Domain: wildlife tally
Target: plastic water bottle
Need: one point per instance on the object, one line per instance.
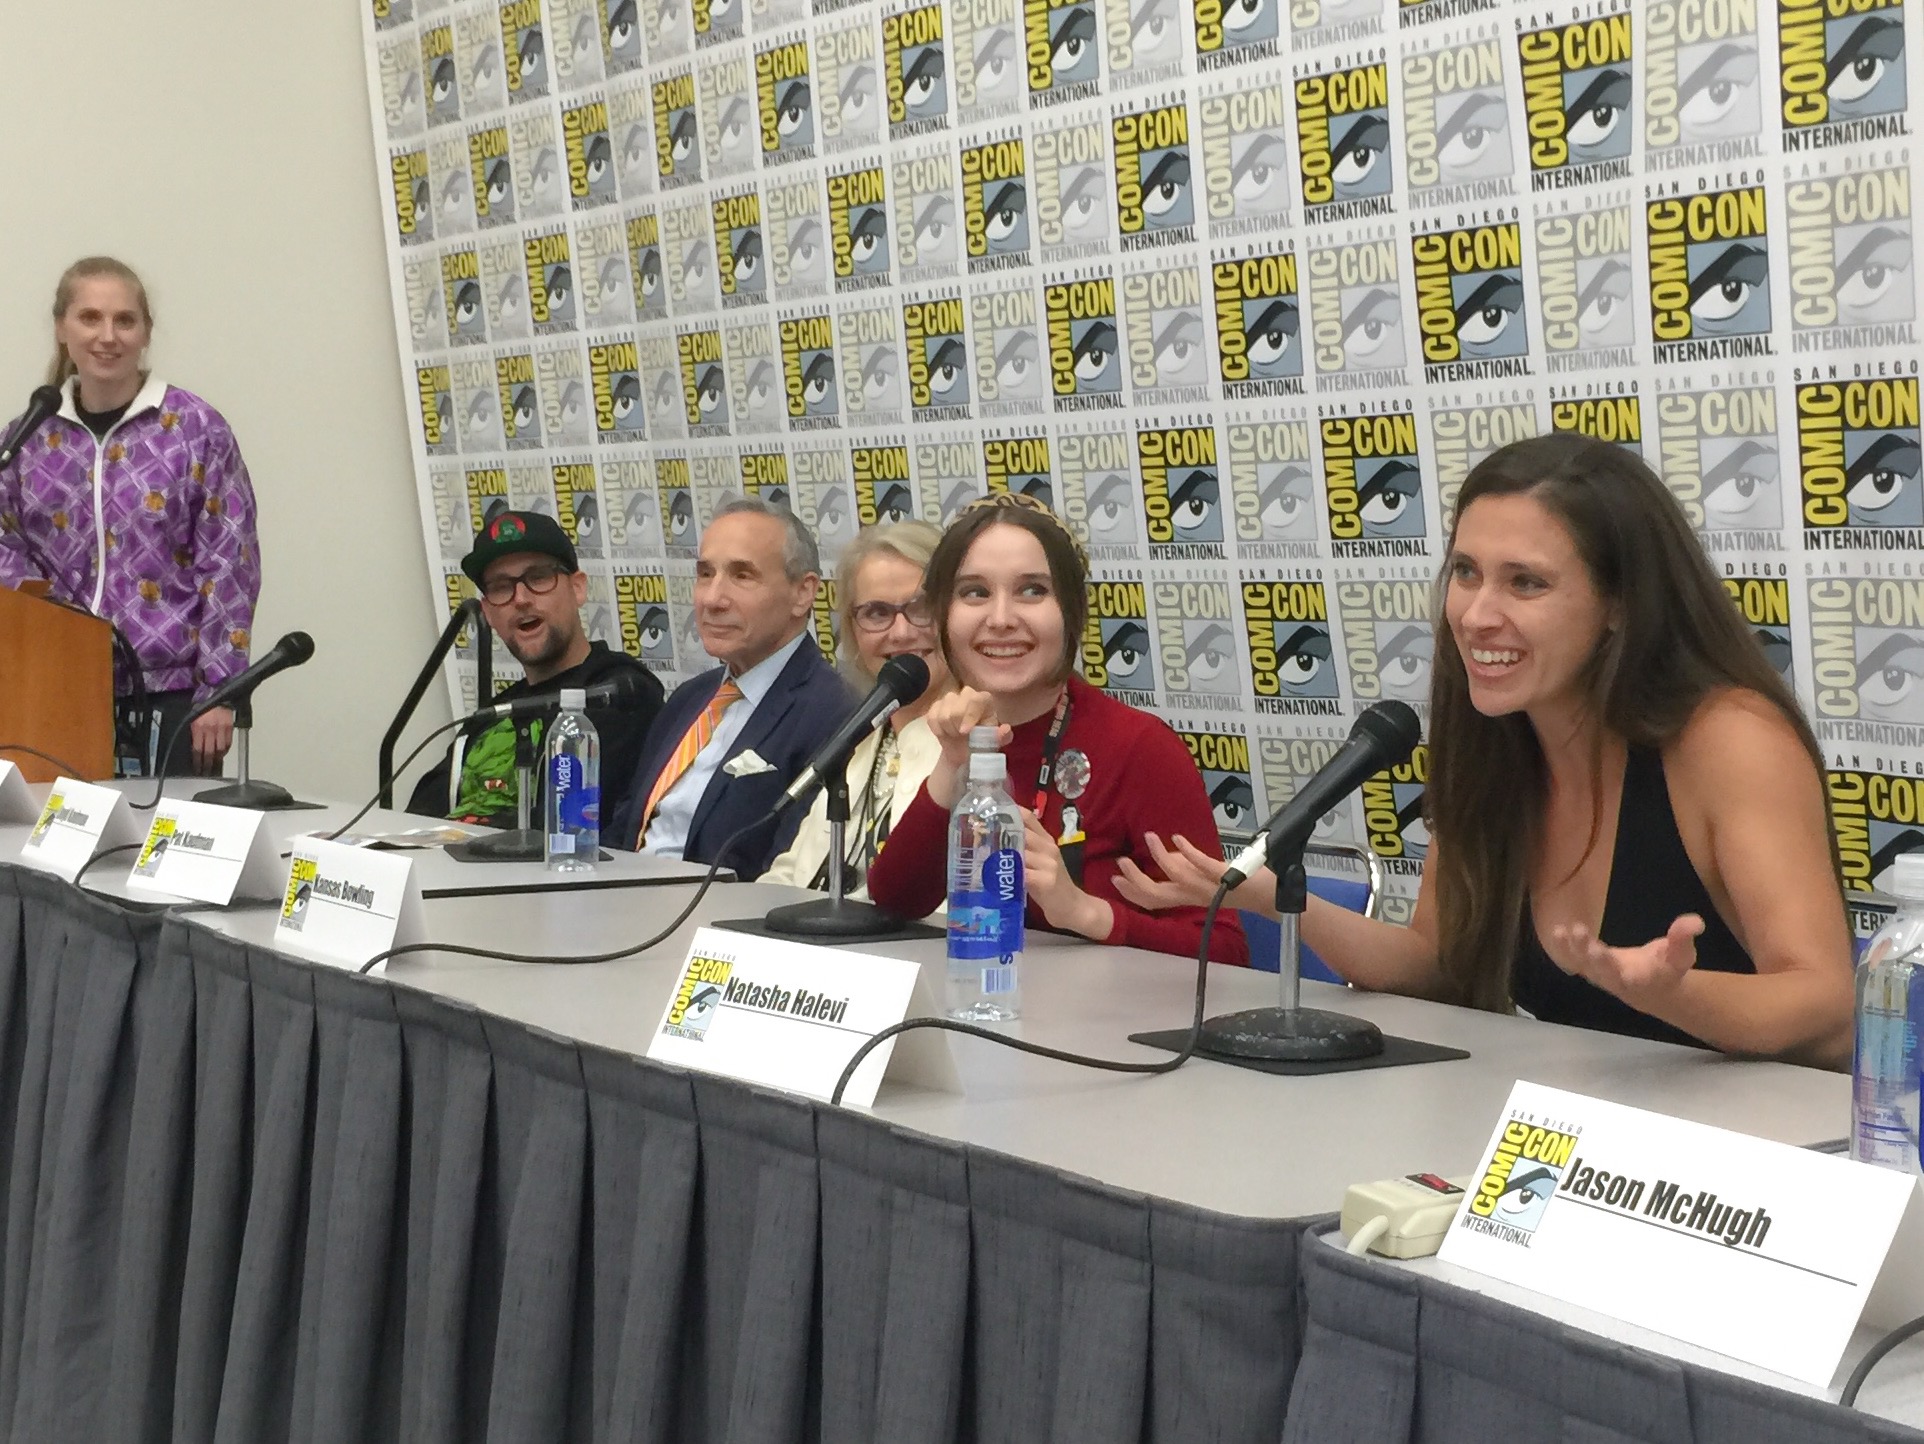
(1890, 1005)
(574, 787)
(986, 892)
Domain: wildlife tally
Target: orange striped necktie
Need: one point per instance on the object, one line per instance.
(700, 732)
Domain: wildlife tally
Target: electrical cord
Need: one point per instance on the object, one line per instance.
(557, 959)
(405, 762)
(1368, 1234)
(67, 769)
(1111, 1065)
(1876, 1356)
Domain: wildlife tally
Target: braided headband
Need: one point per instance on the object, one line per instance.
(1017, 501)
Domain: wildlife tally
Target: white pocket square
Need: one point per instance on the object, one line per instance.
(747, 764)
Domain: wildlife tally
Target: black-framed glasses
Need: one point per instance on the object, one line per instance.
(538, 580)
(880, 616)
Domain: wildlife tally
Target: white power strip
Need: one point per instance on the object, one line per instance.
(1401, 1217)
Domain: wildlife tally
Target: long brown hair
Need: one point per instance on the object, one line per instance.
(87, 269)
(1068, 569)
(1677, 638)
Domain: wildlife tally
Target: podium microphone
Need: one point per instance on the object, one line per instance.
(238, 692)
(44, 402)
(619, 691)
(902, 679)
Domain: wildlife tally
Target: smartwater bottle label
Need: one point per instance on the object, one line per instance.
(985, 924)
(577, 806)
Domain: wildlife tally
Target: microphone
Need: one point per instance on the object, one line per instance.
(290, 651)
(620, 691)
(44, 402)
(1383, 736)
(902, 679)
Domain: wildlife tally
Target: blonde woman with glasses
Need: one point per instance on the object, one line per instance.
(878, 590)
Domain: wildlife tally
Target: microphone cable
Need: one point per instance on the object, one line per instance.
(67, 768)
(1061, 1055)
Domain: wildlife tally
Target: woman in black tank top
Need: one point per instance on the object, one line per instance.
(1627, 814)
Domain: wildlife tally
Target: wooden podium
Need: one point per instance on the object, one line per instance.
(56, 686)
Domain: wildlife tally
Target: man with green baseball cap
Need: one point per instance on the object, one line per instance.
(532, 591)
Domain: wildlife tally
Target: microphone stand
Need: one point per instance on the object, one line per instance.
(246, 791)
(1290, 1033)
(468, 613)
(837, 916)
(524, 844)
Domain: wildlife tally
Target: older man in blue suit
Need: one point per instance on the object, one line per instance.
(728, 742)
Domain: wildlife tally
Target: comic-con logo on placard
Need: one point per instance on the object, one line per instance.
(1271, 486)
(1196, 646)
(1063, 50)
(1181, 492)
(704, 382)
(1085, 367)
(301, 877)
(1612, 412)
(1388, 635)
(1877, 818)
(1292, 661)
(883, 491)
(1857, 458)
(614, 375)
(935, 335)
(704, 982)
(1456, 125)
(435, 388)
(1223, 760)
(1703, 91)
(1764, 603)
(858, 229)
(1577, 84)
(1393, 814)
(915, 69)
(1373, 486)
(1470, 303)
(1842, 72)
(1584, 284)
(812, 398)
(1852, 283)
(784, 101)
(1343, 142)
(1019, 466)
(740, 253)
(1117, 654)
(1235, 32)
(1245, 159)
(1155, 203)
(1509, 1200)
(590, 154)
(153, 852)
(1710, 275)
(641, 603)
(1356, 309)
(677, 131)
(1166, 330)
(995, 204)
(1722, 462)
(1259, 345)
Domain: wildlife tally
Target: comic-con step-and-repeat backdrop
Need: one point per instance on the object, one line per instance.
(1242, 287)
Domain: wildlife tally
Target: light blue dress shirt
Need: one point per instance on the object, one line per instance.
(675, 817)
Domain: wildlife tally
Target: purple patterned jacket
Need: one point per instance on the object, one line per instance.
(177, 567)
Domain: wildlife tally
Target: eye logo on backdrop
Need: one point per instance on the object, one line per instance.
(440, 72)
(1019, 466)
(1085, 367)
(1070, 165)
(590, 154)
(1617, 419)
(724, 91)
(1167, 334)
(1291, 662)
(1245, 158)
(525, 49)
(925, 230)
(1584, 283)
(1851, 278)
(1154, 204)
(677, 132)
(883, 492)
(1764, 602)
(520, 401)
(1576, 101)
(680, 531)
(1181, 492)
(1008, 352)
(1842, 75)
(858, 229)
(1721, 462)
(487, 495)
(1387, 633)
(1271, 488)
(614, 374)
(643, 239)
(1343, 140)
(1063, 50)
(1196, 646)
(1858, 453)
(934, 332)
(1098, 488)
(641, 604)
(1258, 325)
(1393, 814)
(620, 34)
(1703, 84)
(808, 371)
(1461, 436)
(1373, 486)
(1867, 642)
(717, 21)
(848, 103)
(1116, 651)
(1710, 275)
(915, 71)
(704, 382)
(1356, 301)
(1469, 302)
(551, 289)
(492, 174)
(785, 102)
(1223, 759)
(995, 204)
(1235, 32)
(739, 249)
(461, 293)
(1876, 818)
(435, 388)
(1456, 126)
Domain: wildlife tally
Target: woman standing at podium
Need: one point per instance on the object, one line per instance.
(133, 501)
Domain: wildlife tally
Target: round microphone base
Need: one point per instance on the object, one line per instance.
(259, 796)
(526, 846)
(1291, 1035)
(836, 917)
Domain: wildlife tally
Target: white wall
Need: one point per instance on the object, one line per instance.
(224, 150)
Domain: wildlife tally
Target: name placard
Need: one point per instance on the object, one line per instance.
(1758, 1250)
(342, 905)
(790, 1016)
(78, 820)
(16, 803)
(196, 850)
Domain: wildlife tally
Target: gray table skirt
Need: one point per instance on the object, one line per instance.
(247, 1199)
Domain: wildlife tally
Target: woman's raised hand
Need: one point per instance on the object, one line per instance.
(951, 720)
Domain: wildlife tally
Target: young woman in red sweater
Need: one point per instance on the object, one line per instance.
(1009, 587)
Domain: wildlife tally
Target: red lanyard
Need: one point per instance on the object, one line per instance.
(1049, 745)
